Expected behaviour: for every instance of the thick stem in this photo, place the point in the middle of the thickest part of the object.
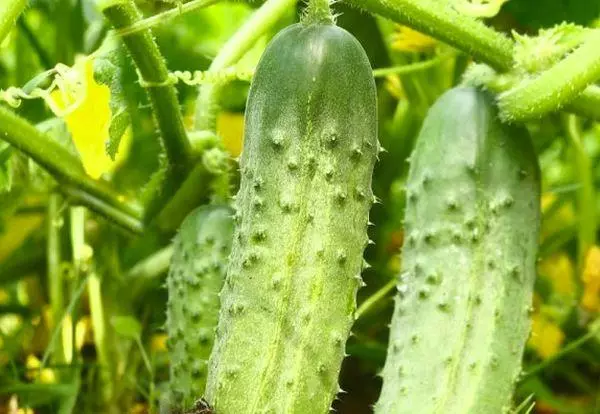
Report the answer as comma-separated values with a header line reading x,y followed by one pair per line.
x,y
587,103
318,11
153,71
65,168
440,20
263,19
9,12
471,36
554,87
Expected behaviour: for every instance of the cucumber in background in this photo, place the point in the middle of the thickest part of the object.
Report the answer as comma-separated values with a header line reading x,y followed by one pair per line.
x,y
472,220
196,276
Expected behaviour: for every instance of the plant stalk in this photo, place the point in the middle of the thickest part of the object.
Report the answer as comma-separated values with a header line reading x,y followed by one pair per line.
x,y
440,20
68,171
551,89
263,19
9,13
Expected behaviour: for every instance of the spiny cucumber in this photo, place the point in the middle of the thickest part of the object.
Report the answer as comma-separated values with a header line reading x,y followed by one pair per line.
x,y
196,276
302,215
461,316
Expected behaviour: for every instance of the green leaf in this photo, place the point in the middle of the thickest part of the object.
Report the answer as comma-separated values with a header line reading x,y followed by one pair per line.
x,y
107,71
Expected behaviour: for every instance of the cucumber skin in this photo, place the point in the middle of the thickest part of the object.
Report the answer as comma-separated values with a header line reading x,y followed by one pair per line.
x,y
461,316
196,276
302,216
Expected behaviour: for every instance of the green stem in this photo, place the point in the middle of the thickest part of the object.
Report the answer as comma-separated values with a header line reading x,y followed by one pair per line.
x,y
554,87
586,197
100,340
68,311
9,12
587,103
164,17
153,265
55,274
153,71
408,68
442,21
261,21
572,346
43,56
318,11
65,168
376,297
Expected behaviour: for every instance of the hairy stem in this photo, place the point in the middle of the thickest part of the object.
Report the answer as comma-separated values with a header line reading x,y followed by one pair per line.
x,y
263,19
318,11
441,21
9,12
163,98
164,17
554,87
67,170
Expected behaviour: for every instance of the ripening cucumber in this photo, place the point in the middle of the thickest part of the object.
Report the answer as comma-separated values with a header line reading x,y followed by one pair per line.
x,y
302,216
196,276
461,316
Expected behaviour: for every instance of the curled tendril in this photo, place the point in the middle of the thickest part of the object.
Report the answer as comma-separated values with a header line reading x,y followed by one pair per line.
x,y
479,8
199,77
69,82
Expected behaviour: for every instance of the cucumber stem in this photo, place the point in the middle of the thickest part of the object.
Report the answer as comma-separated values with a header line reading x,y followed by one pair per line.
x,y
480,41
554,87
318,11
9,13
442,21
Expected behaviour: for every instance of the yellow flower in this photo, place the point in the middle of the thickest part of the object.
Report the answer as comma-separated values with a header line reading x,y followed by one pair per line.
x,y
591,280
408,40
561,218
230,127
559,270
16,230
46,376
394,86
158,343
85,106
546,337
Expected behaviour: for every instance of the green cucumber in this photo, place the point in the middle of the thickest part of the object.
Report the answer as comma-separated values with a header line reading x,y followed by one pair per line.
x,y
472,218
302,215
196,277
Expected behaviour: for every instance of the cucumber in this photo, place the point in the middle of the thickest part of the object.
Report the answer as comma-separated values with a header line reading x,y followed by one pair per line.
x,y
472,220
302,216
196,276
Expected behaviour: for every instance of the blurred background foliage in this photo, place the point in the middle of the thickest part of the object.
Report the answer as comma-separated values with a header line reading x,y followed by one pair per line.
x,y
78,294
